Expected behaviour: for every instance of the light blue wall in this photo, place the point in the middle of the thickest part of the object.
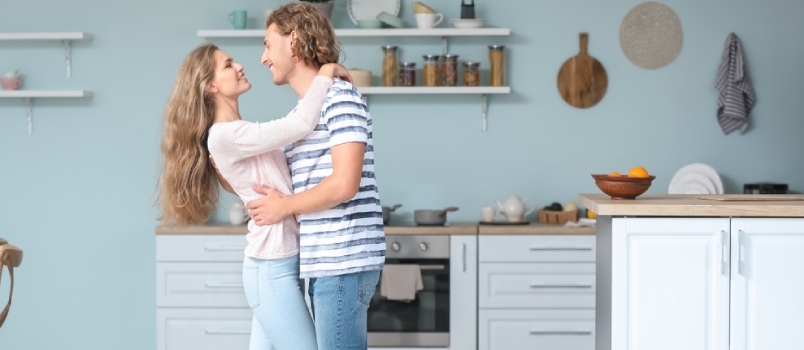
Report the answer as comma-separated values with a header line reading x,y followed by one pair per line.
x,y
79,192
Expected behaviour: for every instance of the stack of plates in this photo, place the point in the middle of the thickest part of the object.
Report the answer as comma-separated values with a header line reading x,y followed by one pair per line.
x,y
696,178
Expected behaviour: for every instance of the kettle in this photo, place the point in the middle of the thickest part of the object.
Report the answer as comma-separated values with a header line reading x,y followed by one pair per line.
x,y
468,10
514,208
10,256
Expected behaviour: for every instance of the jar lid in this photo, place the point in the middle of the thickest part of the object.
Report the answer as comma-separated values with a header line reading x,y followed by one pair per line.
x,y
496,47
389,47
408,64
471,64
450,56
431,57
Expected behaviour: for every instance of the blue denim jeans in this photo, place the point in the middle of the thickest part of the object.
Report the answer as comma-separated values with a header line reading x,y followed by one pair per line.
x,y
340,307
281,318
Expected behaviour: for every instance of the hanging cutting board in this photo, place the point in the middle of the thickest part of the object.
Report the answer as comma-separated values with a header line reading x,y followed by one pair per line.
x,y
582,81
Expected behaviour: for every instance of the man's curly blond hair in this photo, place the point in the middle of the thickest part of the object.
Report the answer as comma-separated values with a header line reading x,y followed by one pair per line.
x,y
315,38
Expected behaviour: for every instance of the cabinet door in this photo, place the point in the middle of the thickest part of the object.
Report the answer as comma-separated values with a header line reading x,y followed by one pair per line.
x,y
670,284
463,293
203,329
537,329
767,283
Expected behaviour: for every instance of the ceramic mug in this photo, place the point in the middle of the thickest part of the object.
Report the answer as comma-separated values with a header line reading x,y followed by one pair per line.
x,y
489,214
10,83
428,20
419,7
238,19
237,214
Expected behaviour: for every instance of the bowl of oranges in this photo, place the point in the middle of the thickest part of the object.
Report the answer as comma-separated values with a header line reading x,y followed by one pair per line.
x,y
628,186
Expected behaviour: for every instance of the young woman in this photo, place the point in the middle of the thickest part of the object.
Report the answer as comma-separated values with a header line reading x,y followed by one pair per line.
x,y
204,132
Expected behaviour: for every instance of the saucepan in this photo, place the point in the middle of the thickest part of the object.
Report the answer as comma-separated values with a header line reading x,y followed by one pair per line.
x,y
432,217
386,213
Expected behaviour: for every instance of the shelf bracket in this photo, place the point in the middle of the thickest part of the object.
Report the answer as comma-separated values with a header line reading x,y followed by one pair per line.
x,y
484,112
444,45
29,103
67,56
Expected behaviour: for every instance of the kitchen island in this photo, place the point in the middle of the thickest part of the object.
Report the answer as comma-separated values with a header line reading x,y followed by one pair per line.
x,y
677,272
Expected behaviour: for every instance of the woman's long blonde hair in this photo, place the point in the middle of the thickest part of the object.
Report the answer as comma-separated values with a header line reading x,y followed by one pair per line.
x,y
188,185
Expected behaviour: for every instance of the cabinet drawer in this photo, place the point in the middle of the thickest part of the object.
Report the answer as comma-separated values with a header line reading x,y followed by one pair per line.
x,y
537,248
208,248
537,285
506,330
203,329
200,285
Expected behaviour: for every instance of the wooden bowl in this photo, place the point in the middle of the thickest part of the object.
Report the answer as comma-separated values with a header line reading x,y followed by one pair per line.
x,y
622,187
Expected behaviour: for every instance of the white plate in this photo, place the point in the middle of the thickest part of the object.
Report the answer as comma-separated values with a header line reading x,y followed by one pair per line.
x,y
467,22
696,178
693,188
369,9
699,168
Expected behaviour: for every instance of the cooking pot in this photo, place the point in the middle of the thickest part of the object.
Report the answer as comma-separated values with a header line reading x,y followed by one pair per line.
x,y
432,217
386,213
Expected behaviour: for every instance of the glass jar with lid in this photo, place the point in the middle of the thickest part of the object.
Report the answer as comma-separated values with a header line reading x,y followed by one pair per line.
x,y
430,70
471,73
449,70
389,72
407,74
496,59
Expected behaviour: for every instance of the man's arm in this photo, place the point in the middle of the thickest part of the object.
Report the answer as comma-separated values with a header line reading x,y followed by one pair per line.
x,y
342,185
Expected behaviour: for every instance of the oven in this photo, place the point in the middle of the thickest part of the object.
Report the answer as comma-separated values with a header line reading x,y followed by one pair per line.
x,y
429,319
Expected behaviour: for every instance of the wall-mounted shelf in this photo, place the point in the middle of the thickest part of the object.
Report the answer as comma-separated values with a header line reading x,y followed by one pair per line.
x,y
438,32
64,37
29,95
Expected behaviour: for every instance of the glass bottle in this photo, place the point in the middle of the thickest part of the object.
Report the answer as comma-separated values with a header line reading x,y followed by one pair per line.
x,y
407,74
430,70
471,73
389,72
449,70
496,59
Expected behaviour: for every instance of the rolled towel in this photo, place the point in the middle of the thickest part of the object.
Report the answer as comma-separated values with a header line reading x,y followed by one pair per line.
x,y
736,92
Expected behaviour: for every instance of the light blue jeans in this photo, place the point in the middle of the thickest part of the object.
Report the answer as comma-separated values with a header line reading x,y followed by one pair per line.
x,y
340,306
281,318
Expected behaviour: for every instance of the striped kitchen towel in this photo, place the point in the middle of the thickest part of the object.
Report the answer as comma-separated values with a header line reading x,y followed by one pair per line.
x,y
736,93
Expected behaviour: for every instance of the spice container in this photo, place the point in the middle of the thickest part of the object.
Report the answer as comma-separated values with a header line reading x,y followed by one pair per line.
x,y
389,72
430,70
496,59
471,73
407,74
449,70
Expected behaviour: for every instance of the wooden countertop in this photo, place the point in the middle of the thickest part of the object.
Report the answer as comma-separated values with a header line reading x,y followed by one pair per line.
x,y
688,205
454,228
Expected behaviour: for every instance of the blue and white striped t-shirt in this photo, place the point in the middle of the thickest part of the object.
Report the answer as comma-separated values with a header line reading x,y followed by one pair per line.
x,y
348,238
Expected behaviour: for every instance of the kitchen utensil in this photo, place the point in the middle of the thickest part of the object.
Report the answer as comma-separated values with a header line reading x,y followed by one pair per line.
x,y
694,188
765,188
360,77
751,197
10,83
432,217
622,187
11,257
488,213
237,214
428,20
467,22
582,80
419,7
369,9
390,20
514,208
468,10
369,23
693,180
238,19
386,213
699,168
651,35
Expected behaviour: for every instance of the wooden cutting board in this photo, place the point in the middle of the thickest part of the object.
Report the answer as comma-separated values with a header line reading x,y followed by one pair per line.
x,y
751,197
582,81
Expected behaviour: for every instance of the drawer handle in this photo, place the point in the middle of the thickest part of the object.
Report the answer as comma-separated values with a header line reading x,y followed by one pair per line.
x,y
227,331
533,249
584,286
224,248
560,332
223,285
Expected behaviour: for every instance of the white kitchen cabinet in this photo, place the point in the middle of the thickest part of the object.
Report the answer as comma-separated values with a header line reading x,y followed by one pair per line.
x,y
670,284
537,329
767,283
537,285
203,329
463,295
200,285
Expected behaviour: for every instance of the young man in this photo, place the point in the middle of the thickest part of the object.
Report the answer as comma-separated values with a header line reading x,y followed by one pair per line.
x,y
335,193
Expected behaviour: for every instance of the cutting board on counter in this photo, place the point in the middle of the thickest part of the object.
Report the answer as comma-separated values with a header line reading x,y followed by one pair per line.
x,y
582,80
751,197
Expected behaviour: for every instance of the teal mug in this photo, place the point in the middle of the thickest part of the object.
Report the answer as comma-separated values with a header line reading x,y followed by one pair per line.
x,y
238,19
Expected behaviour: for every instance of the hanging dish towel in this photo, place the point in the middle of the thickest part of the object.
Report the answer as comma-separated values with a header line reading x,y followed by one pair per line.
x,y
736,93
401,282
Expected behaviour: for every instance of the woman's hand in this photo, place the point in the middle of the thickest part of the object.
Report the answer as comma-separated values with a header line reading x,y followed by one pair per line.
x,y
334,70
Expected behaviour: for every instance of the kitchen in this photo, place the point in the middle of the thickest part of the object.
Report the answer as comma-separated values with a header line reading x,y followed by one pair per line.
x,y
96,217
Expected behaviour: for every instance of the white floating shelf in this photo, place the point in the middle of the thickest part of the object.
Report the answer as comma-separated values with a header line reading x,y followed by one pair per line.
x,y
45,93
45,36
438,32
434,90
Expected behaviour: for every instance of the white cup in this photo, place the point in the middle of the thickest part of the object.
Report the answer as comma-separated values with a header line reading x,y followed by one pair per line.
x,y
428,20
489,214
237,214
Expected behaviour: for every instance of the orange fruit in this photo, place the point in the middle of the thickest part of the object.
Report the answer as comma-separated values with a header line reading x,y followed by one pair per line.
x,y
615,174
638,172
